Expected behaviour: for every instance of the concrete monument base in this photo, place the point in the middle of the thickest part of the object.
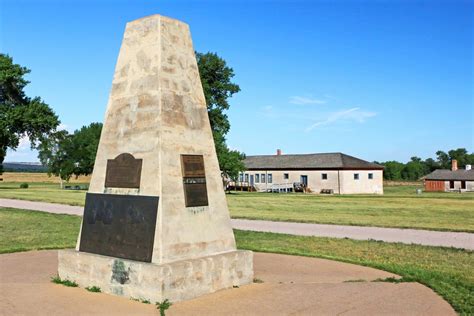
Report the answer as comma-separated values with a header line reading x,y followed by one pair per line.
x,y
175,281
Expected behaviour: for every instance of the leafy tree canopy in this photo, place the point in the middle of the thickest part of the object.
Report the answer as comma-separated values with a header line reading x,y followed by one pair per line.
x,y
216,79
417,167
20,115
67,155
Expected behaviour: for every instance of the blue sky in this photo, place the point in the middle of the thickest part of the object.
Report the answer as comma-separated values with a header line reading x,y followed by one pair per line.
x,y
380,80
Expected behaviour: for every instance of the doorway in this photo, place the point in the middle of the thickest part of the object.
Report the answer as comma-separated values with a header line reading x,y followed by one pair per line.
x,y
304,180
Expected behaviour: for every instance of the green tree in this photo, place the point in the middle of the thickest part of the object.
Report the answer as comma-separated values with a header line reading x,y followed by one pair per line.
x,y
393,170
216,79
414,169
461,155
443,159
67,154
431,165
20,115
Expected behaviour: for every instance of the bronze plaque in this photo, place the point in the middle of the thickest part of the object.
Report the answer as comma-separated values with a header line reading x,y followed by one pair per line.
x,y
123,172
194,180
193,166
121,226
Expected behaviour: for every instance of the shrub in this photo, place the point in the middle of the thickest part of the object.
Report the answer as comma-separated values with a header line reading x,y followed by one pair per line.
x,y
24,185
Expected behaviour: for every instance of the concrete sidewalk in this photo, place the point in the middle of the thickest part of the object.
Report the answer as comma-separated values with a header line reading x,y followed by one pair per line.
x,y
407,236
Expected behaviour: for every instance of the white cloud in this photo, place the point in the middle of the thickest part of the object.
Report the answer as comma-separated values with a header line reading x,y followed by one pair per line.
x,y
354,114
305,100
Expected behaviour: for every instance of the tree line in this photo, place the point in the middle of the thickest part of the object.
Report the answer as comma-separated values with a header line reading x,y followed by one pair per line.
x,y
73,154
416,168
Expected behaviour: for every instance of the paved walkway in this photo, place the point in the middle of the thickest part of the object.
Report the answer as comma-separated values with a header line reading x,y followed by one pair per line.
x,y
291,285
407,236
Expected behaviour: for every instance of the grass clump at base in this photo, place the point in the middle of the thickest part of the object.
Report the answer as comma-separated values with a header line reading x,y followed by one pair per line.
x,y
163,306
56,279
447,271
94,289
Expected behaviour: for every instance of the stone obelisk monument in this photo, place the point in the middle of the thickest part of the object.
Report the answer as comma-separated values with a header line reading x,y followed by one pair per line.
x,y
156,224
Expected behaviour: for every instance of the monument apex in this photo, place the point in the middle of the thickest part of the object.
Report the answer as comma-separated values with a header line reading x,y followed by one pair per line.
x,y
156,223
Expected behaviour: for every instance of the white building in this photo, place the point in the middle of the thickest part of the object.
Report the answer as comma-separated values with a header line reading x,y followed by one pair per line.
x,y
319,173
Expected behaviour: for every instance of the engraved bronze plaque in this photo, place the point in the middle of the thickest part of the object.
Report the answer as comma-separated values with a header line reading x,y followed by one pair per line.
x,y
194,180
193,166
123,172
121,226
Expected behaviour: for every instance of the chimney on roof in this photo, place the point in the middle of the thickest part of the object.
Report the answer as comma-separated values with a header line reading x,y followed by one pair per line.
x,y
454,165
278,152
468,167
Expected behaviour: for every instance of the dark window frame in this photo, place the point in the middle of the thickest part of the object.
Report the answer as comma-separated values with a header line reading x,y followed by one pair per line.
x,y
356,176
324,176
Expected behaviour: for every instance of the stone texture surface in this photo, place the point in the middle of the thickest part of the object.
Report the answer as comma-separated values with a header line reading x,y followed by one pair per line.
x,y
176,281
156,112
291,285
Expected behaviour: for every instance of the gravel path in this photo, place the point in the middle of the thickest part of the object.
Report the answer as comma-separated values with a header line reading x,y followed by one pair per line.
x,y
407,236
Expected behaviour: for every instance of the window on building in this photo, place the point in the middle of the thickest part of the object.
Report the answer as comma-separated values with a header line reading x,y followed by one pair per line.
x,y
324,176
286,176
257,178
241,177
356,176
246,177
269,178
263,177
371,176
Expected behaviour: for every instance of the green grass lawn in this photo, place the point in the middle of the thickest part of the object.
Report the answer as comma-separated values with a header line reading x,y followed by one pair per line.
x,y
22,230
447,271
44,192
400,206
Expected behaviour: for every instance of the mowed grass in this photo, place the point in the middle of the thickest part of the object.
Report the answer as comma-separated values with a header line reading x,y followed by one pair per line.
x,y
22,230
39,177
43,192
400,206
447,271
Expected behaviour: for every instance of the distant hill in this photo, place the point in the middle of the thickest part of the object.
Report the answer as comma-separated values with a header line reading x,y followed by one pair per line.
x,y
23,167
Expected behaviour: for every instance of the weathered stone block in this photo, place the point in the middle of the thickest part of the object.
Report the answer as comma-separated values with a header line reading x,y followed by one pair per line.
x,y
176,281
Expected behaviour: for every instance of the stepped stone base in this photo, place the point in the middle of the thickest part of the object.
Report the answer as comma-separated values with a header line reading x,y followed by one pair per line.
x,y
175,281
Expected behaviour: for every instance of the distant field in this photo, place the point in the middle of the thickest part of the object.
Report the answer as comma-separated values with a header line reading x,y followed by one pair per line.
x,y
38,177
400,206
